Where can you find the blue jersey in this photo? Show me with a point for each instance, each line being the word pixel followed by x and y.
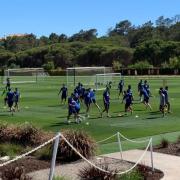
pixel 92 94
pixel 128 97
pixel 106 97
pixel 140 86
pixel 10 96
pixel 77 105
pixel 87 97
pixel 70 102
pixel 145 93
pixel 16 96
pixel 129 91
pixel 121 85
pixel 146 87
pixel 165 92
pixel 78 90
pixel 64 91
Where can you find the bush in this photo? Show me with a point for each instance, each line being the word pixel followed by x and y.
pixel 7 133
pixel 89 173
pixel 26 135
pixel 17 173
pixel 48 66
pixel 174 62
pixel 133 175
pixel 164 143
pixel 11 150
pixel 116 65
pixel 45 153
pixel 141 65
pixel 81 141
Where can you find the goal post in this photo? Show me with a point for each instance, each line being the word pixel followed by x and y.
pixel 85 75
pixel 103 79
pixel 24 75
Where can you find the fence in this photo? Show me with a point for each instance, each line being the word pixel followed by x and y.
pixel 60 136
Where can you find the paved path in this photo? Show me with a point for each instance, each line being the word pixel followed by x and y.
pixel 169 164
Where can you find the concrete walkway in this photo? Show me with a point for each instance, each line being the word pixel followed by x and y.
pixel 169 164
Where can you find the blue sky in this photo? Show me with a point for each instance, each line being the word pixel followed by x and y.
pixel 42 17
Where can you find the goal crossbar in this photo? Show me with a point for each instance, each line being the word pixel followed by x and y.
pixel 110 74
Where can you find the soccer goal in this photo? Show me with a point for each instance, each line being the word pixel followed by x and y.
pixel 103 79
pixel 24 75
pixel 85 75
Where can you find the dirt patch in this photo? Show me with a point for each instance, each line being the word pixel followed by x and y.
pixel 39 169
pixel 30 164
pixel 172 149
pixel 148 174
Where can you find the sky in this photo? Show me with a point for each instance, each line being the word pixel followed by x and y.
pixel 42 17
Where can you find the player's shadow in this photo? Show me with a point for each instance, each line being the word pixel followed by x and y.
pixel 138 110
pixel 99 117
pixel 154 112
pixel 5 115
pixel 58 105
pixel 137 102
pixel 156 117
pixel 62 124
pixel 59 117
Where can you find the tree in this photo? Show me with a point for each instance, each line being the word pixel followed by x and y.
pixel 121 28
pixel 84 35
pixel 174 62
pixel 63 38
pixel 54 38
pixel 43 40
pixel 142 34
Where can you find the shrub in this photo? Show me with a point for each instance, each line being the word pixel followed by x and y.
pixel 174 62
pixel 45 153
pixel 141 65
pixel 48 66
pixel 28 135
pixel 7 149
pixel 7 133
pixel 17 173
pixel 116 65
pixel 89 173
pixel 164 143
pixel 133 175
pixel 81 141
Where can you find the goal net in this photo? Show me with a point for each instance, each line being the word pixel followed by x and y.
pixel 24 75
pixel 108 78
pixel 85 75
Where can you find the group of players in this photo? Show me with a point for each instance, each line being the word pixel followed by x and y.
pixel 11 98
pixel 88 96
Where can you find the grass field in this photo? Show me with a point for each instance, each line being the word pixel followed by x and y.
pixel 40 105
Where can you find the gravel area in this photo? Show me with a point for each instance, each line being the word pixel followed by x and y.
pixel 71 170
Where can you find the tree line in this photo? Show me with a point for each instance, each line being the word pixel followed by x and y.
pixel 125 45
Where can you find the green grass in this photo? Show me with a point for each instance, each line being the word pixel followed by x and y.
pixel 40 105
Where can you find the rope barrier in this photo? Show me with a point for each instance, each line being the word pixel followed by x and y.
pixel 133 141
pixel 92 164
pixel 26 154
pixel 107 138
pixel 89 162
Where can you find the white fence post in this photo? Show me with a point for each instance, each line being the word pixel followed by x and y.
pixel 151 149
pixel 119 143
pixel 53 161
